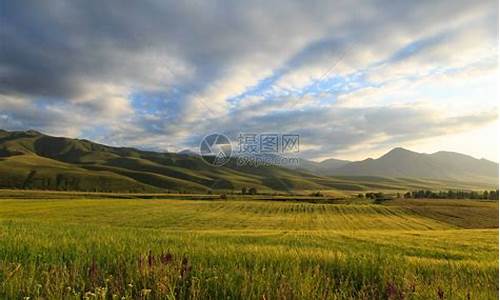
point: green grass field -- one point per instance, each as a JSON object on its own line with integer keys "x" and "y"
{"x": 74, "y": 248}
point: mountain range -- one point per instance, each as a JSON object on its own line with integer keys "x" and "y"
{"x": 32, "y": 160}
{"x": 400, "y": 162}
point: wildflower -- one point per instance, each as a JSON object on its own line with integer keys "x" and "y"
{"x": 151, "y": 259}
{"x": 440, "y": 293}
{"x": 185, "y": 268}
{"x": 166, "y": 258}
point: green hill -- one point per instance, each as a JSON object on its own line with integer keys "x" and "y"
{"x": 32, "y": 160}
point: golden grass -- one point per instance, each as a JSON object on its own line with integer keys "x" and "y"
{"x": 183, "y": 249}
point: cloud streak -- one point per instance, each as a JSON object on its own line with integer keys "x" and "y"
{"x": 162, "y": 74}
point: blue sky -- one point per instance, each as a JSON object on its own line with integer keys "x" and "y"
{"x": 354, "y": 80}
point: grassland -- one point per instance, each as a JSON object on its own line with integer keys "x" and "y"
{"x": 102, "y": 248}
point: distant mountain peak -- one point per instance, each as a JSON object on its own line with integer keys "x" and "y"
{"x": 188, "y": 152}
{"x": 404, "y": 163}
{"x": 33, "y": 132}
{"x": 395, "y": 149}
{"x": 400, "y": 150}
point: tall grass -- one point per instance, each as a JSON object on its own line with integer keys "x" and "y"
{"x": 115, "y": 249}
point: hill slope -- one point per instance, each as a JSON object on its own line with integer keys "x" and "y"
{"x": 31, "y": 159}
{"x": 400, "y": 162}
{"x": 324, "y": 167}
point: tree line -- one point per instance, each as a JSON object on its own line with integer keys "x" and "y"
{"x": 453, "y": 194}
{"x": 248, "y": 191}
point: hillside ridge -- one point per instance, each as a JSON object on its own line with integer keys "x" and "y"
{"x": 30, "y": 159}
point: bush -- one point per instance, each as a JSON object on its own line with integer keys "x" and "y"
{"x": 317, "y": 194}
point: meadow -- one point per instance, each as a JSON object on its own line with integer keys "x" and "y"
{"x": 71, "y": 247}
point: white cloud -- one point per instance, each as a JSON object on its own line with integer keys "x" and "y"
{"x": 238, "y": 66}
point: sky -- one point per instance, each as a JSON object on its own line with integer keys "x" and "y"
{"x": 352, "y": 79}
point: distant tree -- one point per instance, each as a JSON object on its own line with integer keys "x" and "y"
{"x": 243, "y": 190}
{"x": 380, "y": 197}
{"x": 361, "y": 195}
{"x": 450, "y": 194}
{"x": 252, "y": 191}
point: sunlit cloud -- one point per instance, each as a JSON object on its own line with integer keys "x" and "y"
{"x": 161, "y": 75}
